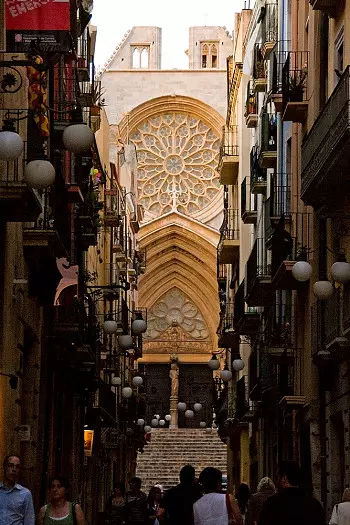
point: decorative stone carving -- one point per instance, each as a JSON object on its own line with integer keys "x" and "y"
{"x": 177, "y": 160}
{"x": 176, "y": 313}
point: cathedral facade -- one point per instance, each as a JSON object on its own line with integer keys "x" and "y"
{"x": 174, "y": 118}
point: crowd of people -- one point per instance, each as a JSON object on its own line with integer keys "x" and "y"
{"x": 192, "y": 502}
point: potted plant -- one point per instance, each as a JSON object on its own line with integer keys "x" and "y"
{"x": 297, "y": 85}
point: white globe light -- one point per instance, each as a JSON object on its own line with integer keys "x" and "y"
{"x": 197, "y": 407}
{"x": 78, "y": 138}
{"x": 323, "y": 290}
{"x": 189, "y": 414}
{"x": 11, "y": 145}
{"x": 340, "y": 272}
{"x": 154, "y": 422}
{"x": 226, "y": 374}
{"x": 147, "y": 428}
{"x": 237, "y": 365}
{"x": 208, "y": 429}
{"x": 140, "y": 422}
{"x": 202, "y": 424}
{"x": 39, "y": 174}
{"x": 116, "y": 381}
{"x": 157, "y": 416}
{"x": 161, "y": 422}
{"x": 181, "y": 406}
{"x": 302, "y": 271}
{"x": 125, "y": 341}
{"x": 139, "y": 326}
{"x": 214, "y": 363}
{"x": 110, "y": 326}
{"x": 168, "y": 417}
{"x": 137, "y": 381}
{"x": 127, "y": 392}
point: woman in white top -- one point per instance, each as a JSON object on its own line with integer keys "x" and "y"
{"x": 215, "y": 508}
{"x": 341, "y": 511}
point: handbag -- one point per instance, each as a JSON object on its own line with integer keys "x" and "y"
{"x": 230, "y": 513}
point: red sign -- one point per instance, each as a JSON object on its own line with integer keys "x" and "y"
{"x": 38, "y": 15}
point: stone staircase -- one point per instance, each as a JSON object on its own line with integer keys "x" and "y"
{"x": 170, "y": 449}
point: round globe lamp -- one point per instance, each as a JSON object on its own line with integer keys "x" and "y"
{"x": 78, "y": 138}
{"x": 323, "y": 290}
{"x": 237, "y": 365}
{"x": 340, "y": 272}
{"x": 302, "y": 271}
{"x": 39, "y": 174}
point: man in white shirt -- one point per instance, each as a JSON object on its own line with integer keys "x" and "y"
{"x": 16, "y": 503}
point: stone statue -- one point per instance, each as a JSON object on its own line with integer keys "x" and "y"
{"x": 174, "y": 376}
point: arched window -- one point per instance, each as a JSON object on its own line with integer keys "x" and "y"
{"x": 136, "y": 58}
{"x": 145, "y": 58}
{"x": 209, "y": 55}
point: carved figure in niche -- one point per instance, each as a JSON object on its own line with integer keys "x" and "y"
{"x": 174, "y": 376}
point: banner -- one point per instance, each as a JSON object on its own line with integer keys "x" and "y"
{"x": 46, "y": 21}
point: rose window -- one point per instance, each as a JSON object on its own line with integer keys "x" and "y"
{"x": 177, "y": 159}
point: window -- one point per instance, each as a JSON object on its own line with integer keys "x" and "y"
{"x": 140, "y": 57}
{"x": 209, "y": 55}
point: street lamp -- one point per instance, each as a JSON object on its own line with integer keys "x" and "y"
{"x": 11, "y": 144}
{"x": 214, "y": 363}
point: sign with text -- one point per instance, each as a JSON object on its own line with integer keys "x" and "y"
{"x": 45, "y": 21}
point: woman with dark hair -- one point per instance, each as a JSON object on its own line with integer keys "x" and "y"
{"x": 242, "y": 496}
{"x": 215, "y": 508}
{"x": 154, "y": 497}
{"x": 59, "y": 510}
{"x": 115, "y": 506}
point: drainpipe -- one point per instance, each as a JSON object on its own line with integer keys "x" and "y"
{"x": 322, "y": 269}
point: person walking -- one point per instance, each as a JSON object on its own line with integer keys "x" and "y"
{"x": 292, "y": 505}
{"x": 341, "y": 511}
{"x": 265, "y": 489}
{"x": 16, "y": 502}
{"x": 214, "y": 507}
{"x": 59, "y": 508}
{"x": 176, "y": 507}
{"x": 242, "y": 496}
{"x": 136, "y": 503}
{"x": 154, "y": 497}
{"x": 115, "y": 507}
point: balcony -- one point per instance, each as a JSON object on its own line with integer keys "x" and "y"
{"x": 242, "y": 399}
{"x": 325, "y": 152}
{"x": 251, "y": 107}
{"x": 268, "y": 141}
{"x": 329, "y": 330}
{"x": 269, "y": 25}
{"x": 259, "y": 74}
{"x": 258, "y": 176}
{"x": 279, "y": 336}
{"x": 276, "y": 377}
{"x": 104, "y": 411}
{"x": 66, "y": 322}
{"x": 327, "y": 6}
{"x": 278, "y": 206}
{"x": 259, "y": 290}
{"x": 227, "y": 336}
{"x": 287, "y": 247}
{"x": 253, "y": 375}
{"x": 249, "y": 212}
{"x": 229, "y": 159}
{"x": 294, "y": 86}
{"x": 277, "y": 61}
{"x": 228, "y": 247}
{"x": 247, "y": 319}
{"x": 113, "y": 211}
{"x": 83, "y": 56}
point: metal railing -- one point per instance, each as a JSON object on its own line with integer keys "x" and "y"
{"x": 278, "y": 58}
{"x": 230, "y": 226}
{"x": 269, "y": 29}
{"x": 258, "y": 63}
{"x": 242, "y": 398}
{"x": 281, "y": 195}
{"x": 279, "y": 326}
{"x": 251, "y": 106}
{"x": 257, "y": 265}
{"x": 268, "y": 132}
{"x": 257, "y": 174}
{"x": 241, "y": 308}
{"x": 229, "y": 142}
{"x": 248, "y": 201}
{"x": 228, "y": 316}
{"x": 294, "y": 77}
{"x": 331, "y": 124}
{"x": 277, "y": 374}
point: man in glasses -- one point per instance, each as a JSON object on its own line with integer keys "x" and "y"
{"x": 16, "y": 503}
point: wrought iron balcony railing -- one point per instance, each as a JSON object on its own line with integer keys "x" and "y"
{"x": 247, "y": 318}
{"x": 229, "y": 142}
{"x": 295, "y": 86}
{"x": 242, "y": 397}
{"x": 251, "y": 106}
{"x": 258, "y": 175}
{"x": 258, "y": 64}
{"x": 268, "y": 132}
{"x": 325, "y": 150}
{"x": 269, "y": 28}
{"x": 258, "y": 275}
{"x": 248, "y": 203}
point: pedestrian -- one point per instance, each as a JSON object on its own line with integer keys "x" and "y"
{"x": 242, "y": 496}
{"x": 341, "y": 511}
{"x": 59, "y": 508}
{"x": 136, "y": 503}
{"x": 265, "y": 489}
{"x": 293, "y": 505}
{"x": 214, "y": 507}
{"x": 176, "y": 507}
{"x": 154, "y": 497}
{"x": 16, "y": 503}
{"x": 115, "y": 511}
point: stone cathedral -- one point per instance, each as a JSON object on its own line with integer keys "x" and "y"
{"x": 174, "y": 118}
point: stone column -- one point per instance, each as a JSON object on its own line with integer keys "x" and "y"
{"x": 174, "y": 396}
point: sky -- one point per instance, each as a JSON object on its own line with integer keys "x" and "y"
{"x": 114, "y": 17}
